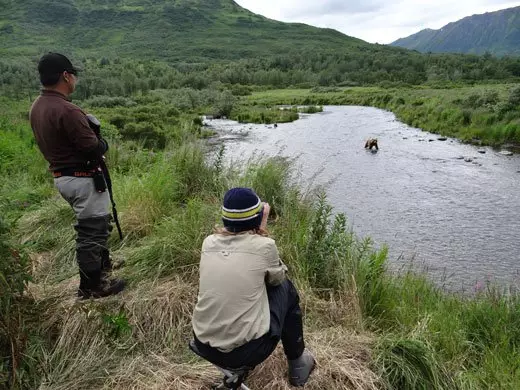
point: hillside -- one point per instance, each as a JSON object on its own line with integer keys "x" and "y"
{"x": 162, "y": 29}
{"x": 494, "y": 32}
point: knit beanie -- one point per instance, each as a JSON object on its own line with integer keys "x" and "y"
{"x": 242, "y": 210}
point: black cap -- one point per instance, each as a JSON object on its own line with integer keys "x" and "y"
{"x": 55, "y": 63}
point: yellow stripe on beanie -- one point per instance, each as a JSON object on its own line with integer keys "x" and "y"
{"x": 240, "y": 215}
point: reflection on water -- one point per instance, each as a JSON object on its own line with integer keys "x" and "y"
{"x": 443, "y": 204}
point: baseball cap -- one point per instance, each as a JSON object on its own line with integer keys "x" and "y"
{"x": 55, "y": 63}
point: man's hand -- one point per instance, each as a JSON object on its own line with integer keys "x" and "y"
{"x": 94, "y": 124}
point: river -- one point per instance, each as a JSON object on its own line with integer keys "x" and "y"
{"x": 439, "y": 205}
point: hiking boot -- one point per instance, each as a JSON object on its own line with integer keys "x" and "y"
{"x": 104, "y": 289}
{"x": 300, "y": 369}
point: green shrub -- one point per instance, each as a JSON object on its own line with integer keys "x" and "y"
{"x": 400, "y": 101}
{"x": 310, "y": 109}
{"x": 241, "y": 90}
{"x": 514, "y": 97}
{"x": 487, "y": 99}
{"x": 466, "y": 117}
{"x": 110, "y": 102}
{"x": 148, "y": 133}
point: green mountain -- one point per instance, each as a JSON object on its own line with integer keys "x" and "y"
{"x": 159, "y": 29}
{"x": 494, "y": 32}
{"x": 193, "y": 43}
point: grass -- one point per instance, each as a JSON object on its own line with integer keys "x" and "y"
{"x": 483, "y": 114}
{"x": 269, "y": 114}
{"x": 369, "y": 329}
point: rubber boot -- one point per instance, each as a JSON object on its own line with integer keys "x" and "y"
{"x": 300, "y": 369}
{"x": 93, "y": 286}
{"x": 94, "y": 260}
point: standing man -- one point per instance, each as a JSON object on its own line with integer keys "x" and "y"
{"x": 74, "y": 152}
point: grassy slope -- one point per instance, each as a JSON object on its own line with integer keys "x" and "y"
{"x": 171, "y": 30}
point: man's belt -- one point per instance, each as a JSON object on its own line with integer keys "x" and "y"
{"x": 74, "y": 172}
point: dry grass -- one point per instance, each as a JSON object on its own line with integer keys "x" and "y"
{"x": 155, "y": 354}
{"x": 139, "y": 216}
{"x": 343, "y": 361}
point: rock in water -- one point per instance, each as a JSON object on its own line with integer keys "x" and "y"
{"x": 442, "y": 139}
{"x": 481, "y": 151}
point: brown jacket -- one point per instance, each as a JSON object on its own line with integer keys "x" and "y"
{"x": 62, "y": 132}
{"x": 232, "y": 306}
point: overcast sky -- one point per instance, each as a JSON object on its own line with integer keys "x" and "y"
{"x": 381, "y": 21}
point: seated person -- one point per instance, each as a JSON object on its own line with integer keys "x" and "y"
{"x": 245, "y": 303}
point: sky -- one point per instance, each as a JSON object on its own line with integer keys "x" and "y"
{"x": 381, "y": 21}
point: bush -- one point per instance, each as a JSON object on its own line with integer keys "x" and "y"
{"x": 110, "y": 102}
{"x": 241, "y": 90}
{"x": 476, "y": 100}
{"x": 466, "y": 117}
{"x": 325, "y": 90}
{"x": 400, "y": 101}
{"x": 514, "y": 97}
{"x": 149, "y": 134}
{"x": 310, "y": 109}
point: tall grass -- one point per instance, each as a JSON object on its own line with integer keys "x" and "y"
{"x": 17, "y": 314}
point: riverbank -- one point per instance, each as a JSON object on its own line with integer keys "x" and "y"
{"x": 368, "y": 328}
{"x": 481, "y": 115}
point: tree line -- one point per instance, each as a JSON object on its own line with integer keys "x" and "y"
{"x": 126, "y": 77}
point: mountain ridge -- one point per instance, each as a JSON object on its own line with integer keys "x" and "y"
{"x": 173, "y": 30}
{"x": 492, "y": 32}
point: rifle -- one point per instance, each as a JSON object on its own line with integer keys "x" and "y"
{"x": 95, "y": 125}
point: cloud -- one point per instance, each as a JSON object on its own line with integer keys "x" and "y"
{"x": 331, "y": 7}
{"x": 375, "y": 20}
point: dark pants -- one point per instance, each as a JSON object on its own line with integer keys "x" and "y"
{"x": 92, "y": 227}
{"x": 91, "y": 243}
{"x": 286, "y": 324}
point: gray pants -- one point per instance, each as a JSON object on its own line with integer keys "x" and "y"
{"x": 92, "y": 223}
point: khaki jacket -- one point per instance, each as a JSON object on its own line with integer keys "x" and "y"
{"x": 232, "y": 306}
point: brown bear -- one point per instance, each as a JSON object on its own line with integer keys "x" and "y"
{"x": 371, "y": 143}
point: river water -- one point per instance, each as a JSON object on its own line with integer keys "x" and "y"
{"x": 439, "y": 205}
